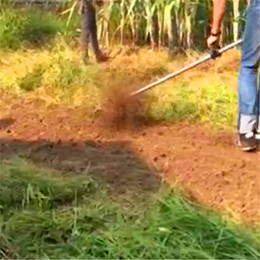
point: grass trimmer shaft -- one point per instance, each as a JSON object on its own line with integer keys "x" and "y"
{"x": 214, "y": 53}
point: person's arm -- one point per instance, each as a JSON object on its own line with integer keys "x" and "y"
{"x": 219, "y": 8}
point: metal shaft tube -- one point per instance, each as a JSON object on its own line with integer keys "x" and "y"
{"x": 176, "y": 73}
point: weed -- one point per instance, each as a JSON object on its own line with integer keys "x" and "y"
{"x": 87, "y": 224}
{"x": 33, "y": 187}
{"x": 213, "y": 103}
{"x": 32, "y": 80}
{"x": 30, "y": 28}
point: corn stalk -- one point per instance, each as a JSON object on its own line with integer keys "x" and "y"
{"x": 236, "y": 19}
{"x": 122, "y": 21}
{"x": 160, "y": 22}
{"x": 149, "y": 13}
{"x": 169, "y": 17}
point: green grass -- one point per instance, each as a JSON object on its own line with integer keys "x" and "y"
{"x": 32, "y": 80}
{"x": 32, "y": 27}
{"x": 49, "y": 215}
{"x": 215, "y": 104}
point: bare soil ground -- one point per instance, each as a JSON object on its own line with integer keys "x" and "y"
{"x": 207, "y": 165}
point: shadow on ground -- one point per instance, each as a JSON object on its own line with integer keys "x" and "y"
{"x": 111, "y": 163}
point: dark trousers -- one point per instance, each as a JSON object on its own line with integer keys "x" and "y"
{"x": 88, "y": 28}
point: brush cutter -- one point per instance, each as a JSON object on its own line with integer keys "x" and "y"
{"x": 214, "y": 53}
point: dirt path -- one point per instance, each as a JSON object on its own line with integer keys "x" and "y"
{"x": 212, "y": 170}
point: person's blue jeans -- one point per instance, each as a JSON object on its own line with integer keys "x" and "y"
{"x": 249, "y": 77}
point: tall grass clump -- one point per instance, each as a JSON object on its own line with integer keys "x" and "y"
{"x": 212, "y": 102}
{"x": 37, "y": 188}
{"x": 32, "y": 27}
{"x": 32, "y": 80}
{"x": 49, "y": 215}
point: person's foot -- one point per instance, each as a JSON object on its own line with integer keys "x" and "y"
{"x": 247, "y": 142}
{"x": 100, "y": 57}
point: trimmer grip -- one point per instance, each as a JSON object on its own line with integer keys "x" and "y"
{"x": 214, "y": 52}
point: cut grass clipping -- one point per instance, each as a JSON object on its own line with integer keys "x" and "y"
{"x": 48, "y": 215}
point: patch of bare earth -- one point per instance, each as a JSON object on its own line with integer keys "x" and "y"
{"x": 208, "y": 166}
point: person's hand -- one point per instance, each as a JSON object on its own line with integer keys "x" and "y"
{"x": 213, "y": 41}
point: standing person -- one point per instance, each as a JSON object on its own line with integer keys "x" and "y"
{"x": 249, "y": 76}
{"x": 89, "y": 30}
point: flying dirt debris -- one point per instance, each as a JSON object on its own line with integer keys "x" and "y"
{"x": 124, "y": 109}
{"x": 121, "y": 111}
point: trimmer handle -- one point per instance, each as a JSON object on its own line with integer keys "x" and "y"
{"x": 214, "y": 52}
